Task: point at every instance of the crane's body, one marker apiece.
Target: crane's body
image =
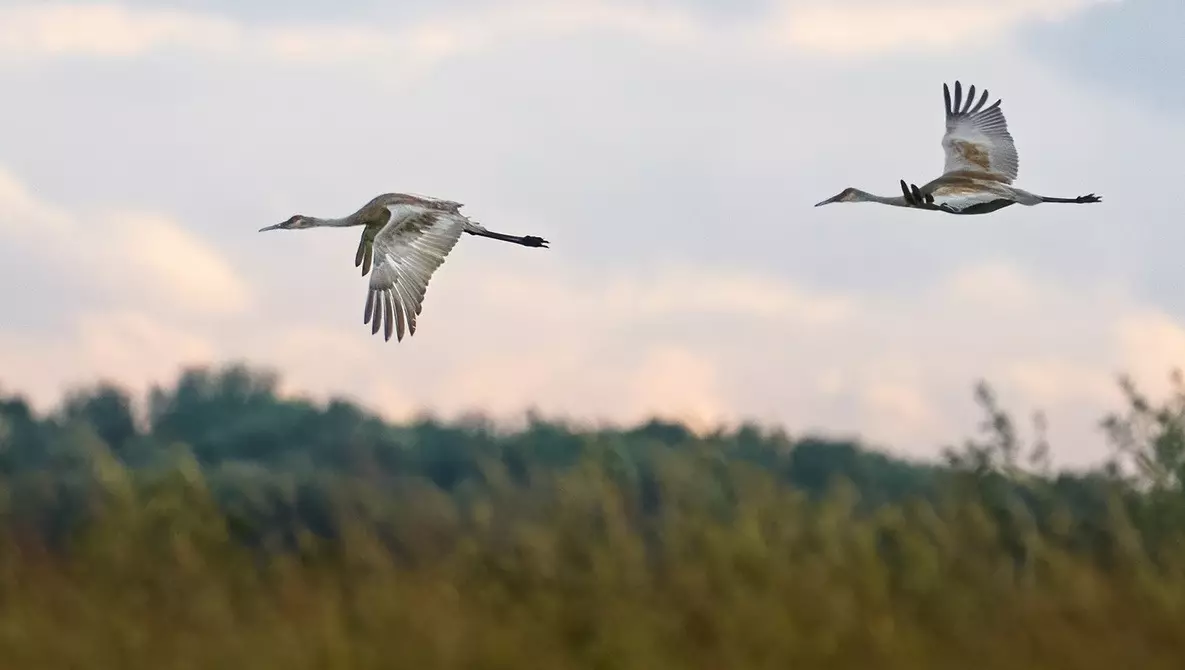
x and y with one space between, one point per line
405 238
981 165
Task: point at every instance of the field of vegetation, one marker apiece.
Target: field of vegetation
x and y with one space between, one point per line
230 527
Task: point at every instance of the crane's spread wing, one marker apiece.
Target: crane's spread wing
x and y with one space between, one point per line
406 253
976 138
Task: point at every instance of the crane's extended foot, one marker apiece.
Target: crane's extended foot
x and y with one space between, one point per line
532 241
1080 200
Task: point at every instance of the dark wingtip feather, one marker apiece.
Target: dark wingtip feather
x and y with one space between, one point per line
369 309
388 326
982 101
958 96
946 96
376 318
405 320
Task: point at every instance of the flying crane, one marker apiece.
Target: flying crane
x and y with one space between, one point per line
406 238
981 164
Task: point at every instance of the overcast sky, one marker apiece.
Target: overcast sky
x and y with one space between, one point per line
670 151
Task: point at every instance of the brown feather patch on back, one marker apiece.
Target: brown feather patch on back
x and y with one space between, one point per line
973 154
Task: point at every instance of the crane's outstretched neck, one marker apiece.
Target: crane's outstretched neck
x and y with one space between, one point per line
344 222
895 201
856 195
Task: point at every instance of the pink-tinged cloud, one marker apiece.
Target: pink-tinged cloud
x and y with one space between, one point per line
834 28
131 348
703 345
869 27
147 258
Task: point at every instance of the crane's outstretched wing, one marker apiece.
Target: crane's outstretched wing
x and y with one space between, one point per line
976 138
406 253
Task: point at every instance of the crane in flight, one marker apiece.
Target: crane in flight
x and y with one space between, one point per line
406 238
981 164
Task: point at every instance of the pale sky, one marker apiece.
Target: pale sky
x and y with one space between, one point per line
670 151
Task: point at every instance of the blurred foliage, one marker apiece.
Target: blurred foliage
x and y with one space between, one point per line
218 524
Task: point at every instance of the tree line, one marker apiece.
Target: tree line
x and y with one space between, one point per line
217 521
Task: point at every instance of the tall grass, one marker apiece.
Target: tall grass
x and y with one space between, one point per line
710 567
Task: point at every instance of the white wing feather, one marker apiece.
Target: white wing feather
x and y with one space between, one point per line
977 139
407 251
960 202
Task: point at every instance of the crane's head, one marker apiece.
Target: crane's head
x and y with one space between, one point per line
295 223
846 195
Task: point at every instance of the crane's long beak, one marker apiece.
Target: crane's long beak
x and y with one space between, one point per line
275 227
830 200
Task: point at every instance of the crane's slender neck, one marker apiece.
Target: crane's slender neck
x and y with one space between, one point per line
896 201
343 222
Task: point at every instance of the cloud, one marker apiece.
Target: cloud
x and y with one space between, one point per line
1132 48
672 291
45 29
675 383
134 349
832 28
897 368
154 254
126 255
1150 341
22 214
54 30
705 346
688 275
863 27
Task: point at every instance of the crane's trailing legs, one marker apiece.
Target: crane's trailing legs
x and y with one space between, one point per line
525 240
1080 200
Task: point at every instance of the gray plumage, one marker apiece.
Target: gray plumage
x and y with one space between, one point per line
405 238
981 165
